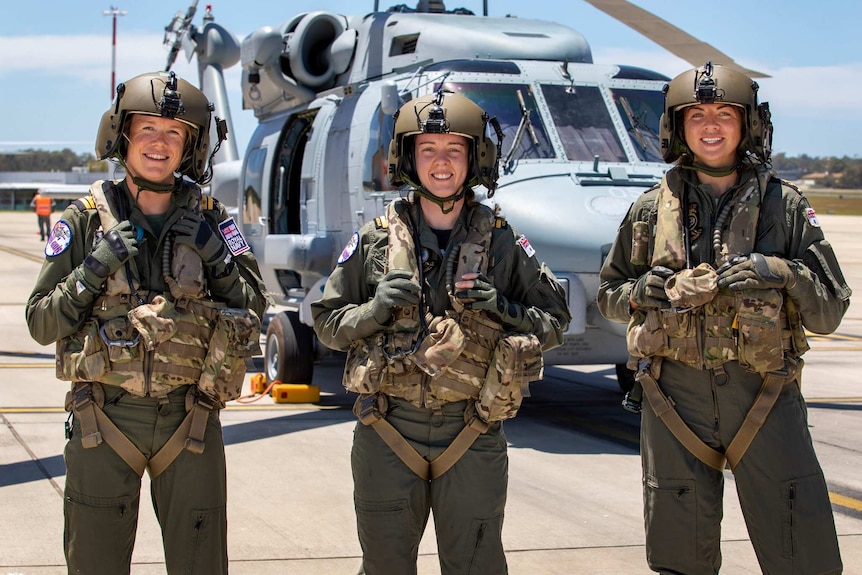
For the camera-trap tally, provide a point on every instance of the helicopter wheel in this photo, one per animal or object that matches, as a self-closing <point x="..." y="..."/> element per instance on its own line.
<point x="289" y="350"/>
<point x="625" y="377"/>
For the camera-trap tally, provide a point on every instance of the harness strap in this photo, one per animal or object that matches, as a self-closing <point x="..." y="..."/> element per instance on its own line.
<point x="771" y="388"/>
<point x="663" y="407"/>
<point x="370" y="409"/>
<point x="460" y="445"/>
<point x="96" y="426"/>
<point x="189" y="435"/>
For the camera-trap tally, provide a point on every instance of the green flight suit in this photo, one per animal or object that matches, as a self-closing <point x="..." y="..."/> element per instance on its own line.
<point x="392" y="503"/>
<point x="780" y="483"/>
<point x="102" y="492"/>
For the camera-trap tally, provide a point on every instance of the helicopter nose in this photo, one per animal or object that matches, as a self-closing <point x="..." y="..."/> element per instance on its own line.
<point x="569" y="225"/>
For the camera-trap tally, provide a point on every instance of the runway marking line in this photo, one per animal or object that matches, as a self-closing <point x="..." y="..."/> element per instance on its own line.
<point x="31" y="257"/>
<point x="844" y="501"/>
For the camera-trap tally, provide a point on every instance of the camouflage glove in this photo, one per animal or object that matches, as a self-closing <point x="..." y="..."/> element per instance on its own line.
<point x="484" y="296"/>
<point x="397" y="288"/>
<point x="756" y="271"/>
<point x="648" y="291"/>
<point x="194" y="231"/>
<point x="116" y="247"/>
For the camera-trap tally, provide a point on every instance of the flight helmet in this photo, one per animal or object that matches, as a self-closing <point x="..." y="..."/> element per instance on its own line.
<point x="708" y="85"/>
<point x="445" y="113"/>
<point x="159" y="94"/>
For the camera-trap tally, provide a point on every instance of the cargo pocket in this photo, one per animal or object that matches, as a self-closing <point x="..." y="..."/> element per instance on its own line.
<point x="671" y="521"/>
<point x="384" y="528"/>
<point x="100" y="532"/>
<point x="807" y="527"/>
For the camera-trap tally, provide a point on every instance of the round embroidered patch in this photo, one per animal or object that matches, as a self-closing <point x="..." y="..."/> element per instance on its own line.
<point x="350" y="248"/>
<point x="61" y="238"/>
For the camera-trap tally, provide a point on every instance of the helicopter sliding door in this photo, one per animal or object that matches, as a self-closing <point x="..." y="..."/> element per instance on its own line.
<point x="285" y="208"/>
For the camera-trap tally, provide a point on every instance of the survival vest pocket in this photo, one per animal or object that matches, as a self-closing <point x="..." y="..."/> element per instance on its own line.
<point x="365" y="365"/>
<point x="82" y="356"/>
<point x="759" y="329"/>
<point x="645" y="334"/>
<point x="236" y="336"/>
<point x="516" y="362"/>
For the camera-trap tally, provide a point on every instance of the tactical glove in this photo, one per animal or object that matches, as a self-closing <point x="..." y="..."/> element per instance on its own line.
<point x="648" y="291"/>
<point x="194" y="231"/>
<point x="116" y="247"/>
<point x="397" y="288"/>
<point x="484" y="296"/>
<point x="756" y="271"/>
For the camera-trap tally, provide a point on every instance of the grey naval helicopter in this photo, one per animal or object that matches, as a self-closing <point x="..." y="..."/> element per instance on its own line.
<point x="581" y="143"/>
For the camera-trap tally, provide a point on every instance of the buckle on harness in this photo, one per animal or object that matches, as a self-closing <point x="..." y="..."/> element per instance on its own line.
<point x="370" y="407"/>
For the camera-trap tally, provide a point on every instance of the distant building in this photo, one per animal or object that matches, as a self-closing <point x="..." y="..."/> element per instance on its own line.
<point x="18" y="188"/>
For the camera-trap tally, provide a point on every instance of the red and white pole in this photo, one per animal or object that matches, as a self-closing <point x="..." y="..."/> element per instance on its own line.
<point x="114" y="12"/>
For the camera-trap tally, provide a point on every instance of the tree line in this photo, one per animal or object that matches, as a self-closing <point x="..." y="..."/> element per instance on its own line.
<point x="49" y="161"/>
<point x="842" y="172"/>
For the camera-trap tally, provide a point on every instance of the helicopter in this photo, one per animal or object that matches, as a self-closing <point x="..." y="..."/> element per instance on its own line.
<point x="580" y="144"/>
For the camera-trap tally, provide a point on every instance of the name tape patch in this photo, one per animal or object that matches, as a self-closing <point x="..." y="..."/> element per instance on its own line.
<point x="233" y="237"/>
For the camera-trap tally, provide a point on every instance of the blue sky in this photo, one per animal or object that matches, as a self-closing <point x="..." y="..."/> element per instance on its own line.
<point x="55" y="58"/>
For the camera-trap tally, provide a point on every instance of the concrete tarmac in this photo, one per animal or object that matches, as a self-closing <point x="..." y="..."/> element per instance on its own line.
<point x="574" y="495"/>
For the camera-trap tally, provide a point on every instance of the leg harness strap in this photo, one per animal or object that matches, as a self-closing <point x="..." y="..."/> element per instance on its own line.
<point x="371" y="408"/>
<point x="663" y="406"/>
<point x="85" y="401"/>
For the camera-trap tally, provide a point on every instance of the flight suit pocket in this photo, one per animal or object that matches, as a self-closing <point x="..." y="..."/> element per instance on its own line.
<point x="807" y="527"/>
<point x="384" y="527"/>
<point x="671" y="521"/>
<point x="100" y="532"/>
<point x="486" y="550"/>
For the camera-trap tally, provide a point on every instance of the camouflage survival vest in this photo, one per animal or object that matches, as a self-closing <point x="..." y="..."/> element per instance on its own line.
<point x="149" y="343"/>
<point x="464" y="355"/>
<point x="754" y="327"/>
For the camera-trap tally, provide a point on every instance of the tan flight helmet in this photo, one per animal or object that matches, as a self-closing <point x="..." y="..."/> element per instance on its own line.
<point x="708" y="85"/>
<point x="160" y="94"/>
<point x="445" y="113"/>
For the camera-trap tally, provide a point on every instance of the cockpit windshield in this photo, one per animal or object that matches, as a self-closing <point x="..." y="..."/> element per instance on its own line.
<point x="641" y="112"/>
<point x="583" y="123"/>
<point x="514" y="106"/>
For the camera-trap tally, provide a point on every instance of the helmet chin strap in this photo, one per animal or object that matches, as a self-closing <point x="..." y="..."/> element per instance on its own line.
<point x="714" y="172"/>
<point x="421" y="191"/>
<point x="148" y="186"/>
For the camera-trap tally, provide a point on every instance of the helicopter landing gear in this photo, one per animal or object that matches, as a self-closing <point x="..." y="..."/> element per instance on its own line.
<point x="289" y="355"/>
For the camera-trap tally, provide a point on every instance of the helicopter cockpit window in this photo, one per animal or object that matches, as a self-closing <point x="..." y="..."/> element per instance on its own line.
<point x="375" y="177"/>
<point x="583" y="123"/>
<point x="253" y="179"/>
<point x="641" y="111"/>
<point x="514" y="106"/>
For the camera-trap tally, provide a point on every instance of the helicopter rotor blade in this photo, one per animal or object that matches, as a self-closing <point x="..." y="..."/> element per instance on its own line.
<point x="668" y="36"/>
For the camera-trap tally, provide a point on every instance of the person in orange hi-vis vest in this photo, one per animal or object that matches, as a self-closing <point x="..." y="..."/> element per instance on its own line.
<point x="44" y="206"/>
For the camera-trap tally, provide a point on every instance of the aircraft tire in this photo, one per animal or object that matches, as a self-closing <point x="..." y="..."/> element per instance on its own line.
<point x="289" y="355"/>
<point x="625" y="377"/>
